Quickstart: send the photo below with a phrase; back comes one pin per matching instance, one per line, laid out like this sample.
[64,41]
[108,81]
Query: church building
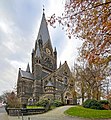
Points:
[44,79]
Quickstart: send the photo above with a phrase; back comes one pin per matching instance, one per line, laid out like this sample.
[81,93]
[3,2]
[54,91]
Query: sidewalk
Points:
[4,116]
[55,114]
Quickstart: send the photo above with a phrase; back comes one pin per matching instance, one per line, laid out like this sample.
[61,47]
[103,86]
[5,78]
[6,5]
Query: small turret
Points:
[37,54]
[49,88]
[28,68]
[60,64]
[55,52]
[37,64]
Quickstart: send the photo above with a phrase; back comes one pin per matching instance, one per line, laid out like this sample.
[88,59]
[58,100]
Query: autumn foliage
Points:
[91,21]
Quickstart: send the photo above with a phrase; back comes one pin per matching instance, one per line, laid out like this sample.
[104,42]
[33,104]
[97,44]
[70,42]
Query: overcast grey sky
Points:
[19,25]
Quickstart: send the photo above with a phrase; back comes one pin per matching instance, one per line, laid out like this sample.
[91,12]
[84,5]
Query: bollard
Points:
[22,117]
[29,118]
[18,114]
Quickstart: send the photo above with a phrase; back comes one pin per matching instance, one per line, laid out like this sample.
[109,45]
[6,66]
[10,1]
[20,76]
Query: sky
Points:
[19,25]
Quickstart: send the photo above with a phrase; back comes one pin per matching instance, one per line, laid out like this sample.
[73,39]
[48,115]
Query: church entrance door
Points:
[68,102]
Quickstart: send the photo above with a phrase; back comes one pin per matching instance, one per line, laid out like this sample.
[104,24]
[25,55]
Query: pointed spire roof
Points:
[28,68]
[38,52]
[55,51]
[43,30]
[60,64]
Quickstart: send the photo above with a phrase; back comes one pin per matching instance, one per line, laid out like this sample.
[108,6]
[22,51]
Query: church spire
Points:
[28,68]
[43,30]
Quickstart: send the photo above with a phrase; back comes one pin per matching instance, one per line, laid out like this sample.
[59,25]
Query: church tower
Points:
[44,58]
[43,52]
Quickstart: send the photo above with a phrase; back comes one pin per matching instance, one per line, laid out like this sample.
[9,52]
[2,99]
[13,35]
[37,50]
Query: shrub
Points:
[105,104]
[57,103]
[87,103]
[43,103]
[93,107]
[93,104]
[104,101]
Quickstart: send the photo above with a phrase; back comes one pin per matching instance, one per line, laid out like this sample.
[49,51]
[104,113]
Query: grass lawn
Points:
[88,113]
[31,107]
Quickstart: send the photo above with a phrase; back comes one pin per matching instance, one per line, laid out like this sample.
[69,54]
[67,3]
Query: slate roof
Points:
[44,74]
[25,74]
[57,70]
[43,31]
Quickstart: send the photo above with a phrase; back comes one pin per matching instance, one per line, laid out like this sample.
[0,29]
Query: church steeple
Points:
[43,53]
[28,68]
[43,30]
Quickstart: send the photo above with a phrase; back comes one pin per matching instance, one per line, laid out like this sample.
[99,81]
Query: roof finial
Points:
[60,64]
[28,68]
[43,9]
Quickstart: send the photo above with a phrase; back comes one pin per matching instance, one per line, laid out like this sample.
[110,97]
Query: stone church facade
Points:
[45,80]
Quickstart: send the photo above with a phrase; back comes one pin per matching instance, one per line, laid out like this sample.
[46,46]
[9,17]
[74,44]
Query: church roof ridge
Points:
[25,74]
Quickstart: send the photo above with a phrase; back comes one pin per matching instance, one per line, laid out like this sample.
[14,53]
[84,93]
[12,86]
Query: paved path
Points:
[2,110]
[55,114]
[3,115]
